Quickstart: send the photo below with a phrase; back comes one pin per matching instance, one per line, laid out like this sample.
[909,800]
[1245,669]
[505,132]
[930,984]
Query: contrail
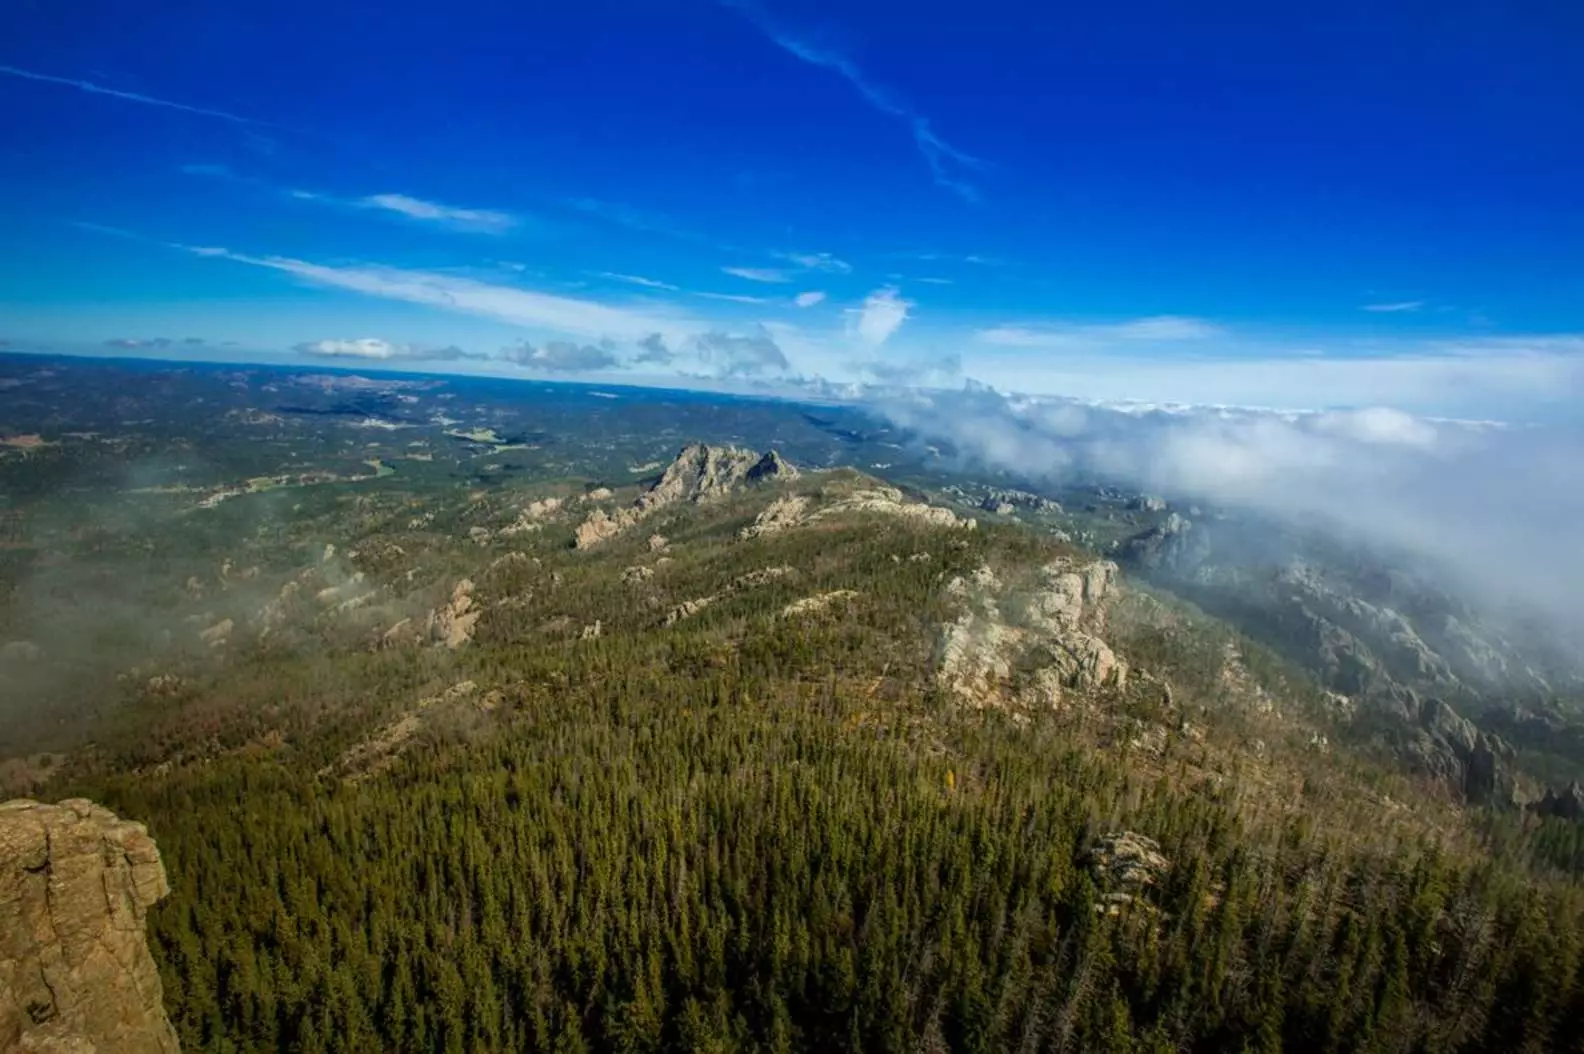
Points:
[130,96]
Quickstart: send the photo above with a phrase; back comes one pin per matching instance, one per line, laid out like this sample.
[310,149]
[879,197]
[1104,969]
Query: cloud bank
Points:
[1495,507]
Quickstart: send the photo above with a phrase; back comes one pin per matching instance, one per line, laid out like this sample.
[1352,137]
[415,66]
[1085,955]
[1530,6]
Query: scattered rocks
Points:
[531,517]
[1146,503]
[817,603]
[1127,862]
[76,974]
[20,651]
[218,634]
[637,573]
[689,608]
[658,543]
[1018,499]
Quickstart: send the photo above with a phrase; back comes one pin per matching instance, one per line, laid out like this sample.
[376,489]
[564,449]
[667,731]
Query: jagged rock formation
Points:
[1437,741]
[1568,804]
[451,624]
[1172,546]
[698,474]
[1050,625]
[76,975]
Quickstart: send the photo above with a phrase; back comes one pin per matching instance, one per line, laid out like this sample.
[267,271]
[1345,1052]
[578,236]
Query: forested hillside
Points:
[614,818]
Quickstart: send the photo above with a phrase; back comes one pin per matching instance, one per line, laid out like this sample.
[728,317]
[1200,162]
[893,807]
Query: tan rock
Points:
[76,975]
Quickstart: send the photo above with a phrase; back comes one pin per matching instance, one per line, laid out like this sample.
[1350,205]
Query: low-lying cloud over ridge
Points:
[1496,506]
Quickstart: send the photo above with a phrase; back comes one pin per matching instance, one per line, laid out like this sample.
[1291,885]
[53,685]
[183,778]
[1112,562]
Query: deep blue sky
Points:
[1275,203]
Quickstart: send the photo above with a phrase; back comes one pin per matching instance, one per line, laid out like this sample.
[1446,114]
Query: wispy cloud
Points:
[635,279]
[943,159]
[375,349]
[808,299]
[1076,336]
[632,218]
[816,262]
[881,315]
[129,343]
[736,298]
[477,221]
[759,274]
[129,96]
[1395,307]
[484,221]
[467,295]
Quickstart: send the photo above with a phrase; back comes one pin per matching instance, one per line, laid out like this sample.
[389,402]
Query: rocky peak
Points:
[76,975]
[772,467]
[699,473]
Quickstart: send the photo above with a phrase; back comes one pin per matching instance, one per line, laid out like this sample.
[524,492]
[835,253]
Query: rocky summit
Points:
[699,473]
[76,975]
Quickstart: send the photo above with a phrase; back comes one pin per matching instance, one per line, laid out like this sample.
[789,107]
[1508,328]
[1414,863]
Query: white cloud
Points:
[1509,377]
[560,356]
[524,307]
[1396,307]
[1377,425]
[1076,335]
[808,299]
[882,314]
[128,96]
[377,349]
[816,262]
[486,221]
[1485,504]
[759,274]
[736,298]
[741,355]
[634,279]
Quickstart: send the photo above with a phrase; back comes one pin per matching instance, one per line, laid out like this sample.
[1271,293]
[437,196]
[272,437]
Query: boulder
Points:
[76,975]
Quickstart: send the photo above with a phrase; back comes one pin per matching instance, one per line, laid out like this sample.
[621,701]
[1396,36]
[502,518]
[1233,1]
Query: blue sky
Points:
[1354,204]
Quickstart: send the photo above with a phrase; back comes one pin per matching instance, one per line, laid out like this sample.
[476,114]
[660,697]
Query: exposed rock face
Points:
[888,501]
[1127,861]
[1147,503]
[1173,546]
[1123,866]
[772,467]
[1450,748]
[531,517]
[698,474]
[779,515]
[1051,624]
[76,975]
[1567,804]
[451,624]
